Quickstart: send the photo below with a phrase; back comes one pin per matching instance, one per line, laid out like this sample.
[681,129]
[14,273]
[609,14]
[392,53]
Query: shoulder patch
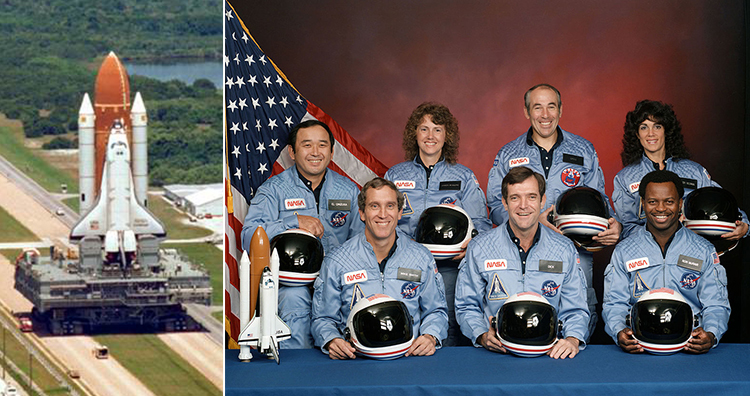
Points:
[497,290]
[639,286]
[570,177]
[407,206]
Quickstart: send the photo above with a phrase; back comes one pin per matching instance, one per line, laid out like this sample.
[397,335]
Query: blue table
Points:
[598,370]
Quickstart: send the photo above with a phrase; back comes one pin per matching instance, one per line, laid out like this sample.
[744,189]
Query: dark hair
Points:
[527,101]
[292,138]
[440,115]
[660,113]
[661,176]
[377,183]
[519,174]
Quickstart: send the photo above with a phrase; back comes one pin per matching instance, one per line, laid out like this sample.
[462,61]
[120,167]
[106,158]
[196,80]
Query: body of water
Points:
[186,72]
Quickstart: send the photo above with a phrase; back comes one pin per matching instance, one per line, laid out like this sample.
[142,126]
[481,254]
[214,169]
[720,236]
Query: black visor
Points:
[384,324]
[711,203]
[663,322]
[529,323]
[441,226]
[582,201]
[299,253]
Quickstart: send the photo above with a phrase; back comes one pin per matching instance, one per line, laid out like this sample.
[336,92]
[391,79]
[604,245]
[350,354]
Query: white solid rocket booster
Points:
[139,154]
[86,155]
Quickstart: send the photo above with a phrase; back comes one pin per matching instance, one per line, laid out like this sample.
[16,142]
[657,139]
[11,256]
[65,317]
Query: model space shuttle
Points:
[266,329]
[116,211]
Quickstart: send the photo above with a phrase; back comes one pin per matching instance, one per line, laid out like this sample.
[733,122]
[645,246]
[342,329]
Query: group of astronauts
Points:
[368,235]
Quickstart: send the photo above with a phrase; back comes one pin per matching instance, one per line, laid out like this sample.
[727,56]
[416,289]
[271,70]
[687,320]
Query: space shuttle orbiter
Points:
[117,216]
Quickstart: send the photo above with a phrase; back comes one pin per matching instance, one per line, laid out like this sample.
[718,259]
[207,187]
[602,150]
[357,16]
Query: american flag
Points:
[261,107]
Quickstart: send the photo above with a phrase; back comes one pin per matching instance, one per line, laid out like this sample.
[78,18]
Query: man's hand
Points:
[700,341]
[490,341]
[611,235]
[311,225]
[424,345]
[543,220]
[463,253]
[738,233]
[626,341]
[566,347]
[340,349]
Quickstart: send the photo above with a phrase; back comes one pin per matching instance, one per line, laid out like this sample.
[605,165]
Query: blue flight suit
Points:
[574,163]
[493,271]
[337,290]
[625,195]
[276,205]
[448,183]
[690,266]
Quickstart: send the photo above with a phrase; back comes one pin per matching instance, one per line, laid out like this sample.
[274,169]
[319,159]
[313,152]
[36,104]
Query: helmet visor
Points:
[529,323]
[662,322]
[441,226]
[298,253]
[382,325]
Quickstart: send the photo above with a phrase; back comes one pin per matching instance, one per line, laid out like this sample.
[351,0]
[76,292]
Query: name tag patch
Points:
[294,203]
[518,162]
[405,184]
[690,183]
[634,187]
[639,263]
[339,204]
[573,159]
[554,267]
[690,263]
[450,185]
[409,274]
[497,264]
[355,276]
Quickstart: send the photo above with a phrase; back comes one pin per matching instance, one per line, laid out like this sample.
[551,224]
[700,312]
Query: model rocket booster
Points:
[266,329]
[117,216]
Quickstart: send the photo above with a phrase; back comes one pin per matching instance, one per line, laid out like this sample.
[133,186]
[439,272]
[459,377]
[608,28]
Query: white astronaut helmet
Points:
[443,229]
[380,327]
[581,213]
[662,321]
[527,325]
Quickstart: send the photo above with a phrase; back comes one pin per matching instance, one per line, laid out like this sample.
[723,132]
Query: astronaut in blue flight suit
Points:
[663,253]
[653,140]
[309,197]
[519,256]
[566,161]
[431,176]
[382,259]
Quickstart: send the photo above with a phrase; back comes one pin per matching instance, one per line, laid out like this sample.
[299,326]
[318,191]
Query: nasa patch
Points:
[570,177]
[549,288]
[338,219]
[637,264]
[405,184]
[496,264]
[409,290]
[518,162]
[355,277]
[294,203]
[448,200]
[689,280]
[633,187]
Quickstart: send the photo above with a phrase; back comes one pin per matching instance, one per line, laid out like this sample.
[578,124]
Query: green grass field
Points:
[49,177]
[13,231]
[163,371]
[210,257]
[176,222]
